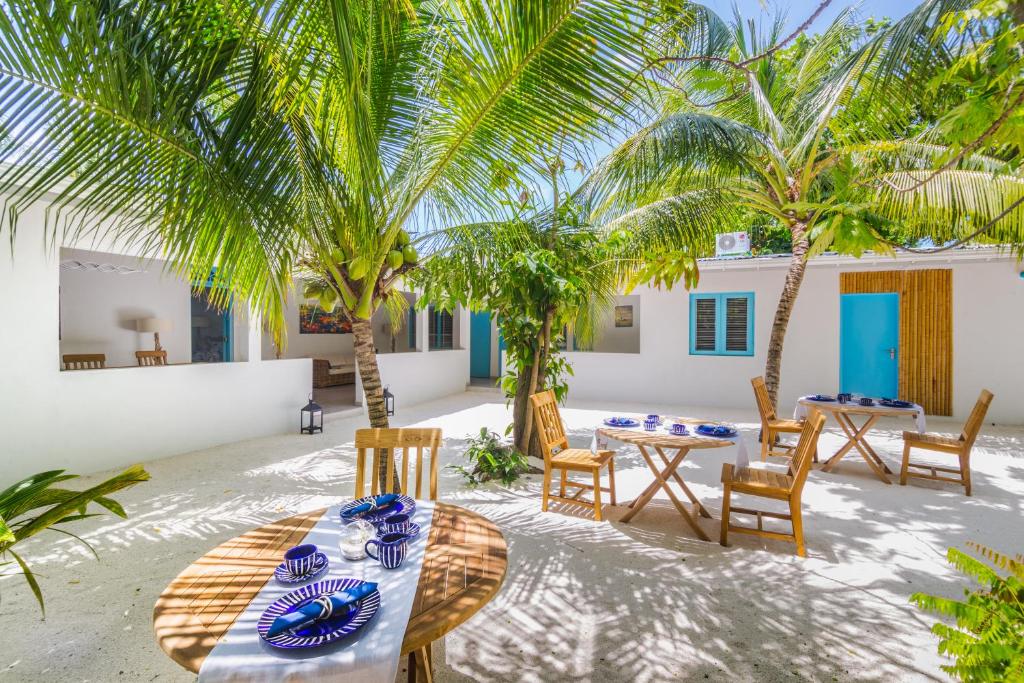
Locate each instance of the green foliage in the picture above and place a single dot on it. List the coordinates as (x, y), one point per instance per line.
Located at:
(491, 458)
(988, 639)
(35, 504)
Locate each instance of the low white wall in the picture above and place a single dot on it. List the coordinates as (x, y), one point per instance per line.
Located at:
(91, 420)
(988, 329)
(417, 377)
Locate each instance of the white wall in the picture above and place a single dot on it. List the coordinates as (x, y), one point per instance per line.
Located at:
(611, 339)
(91, 420)
(988, 326)
(421, 376)
(99, 311)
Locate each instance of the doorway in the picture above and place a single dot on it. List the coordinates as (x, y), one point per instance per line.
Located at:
(869, 329)
(480, 345)
(211, 330)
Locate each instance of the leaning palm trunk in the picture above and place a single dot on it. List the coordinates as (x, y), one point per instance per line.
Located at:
(373, 391)
(794, 277)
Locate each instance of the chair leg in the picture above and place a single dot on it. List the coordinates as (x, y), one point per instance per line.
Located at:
(611, 480)
(547, 488)
(597, 494)
(798, 527)
(906, 464)
(965, 472)
(724, 538)
(766, 438)
(561, 488)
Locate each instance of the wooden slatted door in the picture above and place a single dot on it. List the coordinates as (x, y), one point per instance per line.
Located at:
(926, 330)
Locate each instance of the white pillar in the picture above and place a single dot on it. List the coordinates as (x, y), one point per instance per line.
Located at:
(462, 314)
(423, 330)
(255, 337)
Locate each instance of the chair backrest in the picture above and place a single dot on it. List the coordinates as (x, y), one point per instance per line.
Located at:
(84, 361)
(977, 416)
(389, 441)
(800, 465)
(151, 358)
(550, 430)
(764, 401)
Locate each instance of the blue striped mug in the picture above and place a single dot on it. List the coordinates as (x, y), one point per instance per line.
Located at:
(300, 559)
(391, 550)
(395, 524)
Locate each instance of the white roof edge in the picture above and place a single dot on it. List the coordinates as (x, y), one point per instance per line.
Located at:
(871, 259)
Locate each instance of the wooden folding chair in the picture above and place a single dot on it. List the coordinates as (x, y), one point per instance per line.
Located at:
(959, 446)
(151, 358)
(775, 485)
(558, 456)
(84, 361)
(385, 442)
(771, 425)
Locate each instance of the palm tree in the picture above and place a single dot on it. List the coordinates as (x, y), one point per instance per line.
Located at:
(259, 140)
(825, 137)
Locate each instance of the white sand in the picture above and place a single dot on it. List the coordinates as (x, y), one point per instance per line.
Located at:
(645, 601)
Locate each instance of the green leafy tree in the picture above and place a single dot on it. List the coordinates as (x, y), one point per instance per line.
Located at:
(37, 504)
(825, 138)
(987, 640)
(264, 139)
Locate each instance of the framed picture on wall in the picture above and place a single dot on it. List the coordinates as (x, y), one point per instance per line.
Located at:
(623, 316)
(315, 320)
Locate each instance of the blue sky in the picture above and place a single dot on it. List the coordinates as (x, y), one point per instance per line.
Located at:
(798, 10)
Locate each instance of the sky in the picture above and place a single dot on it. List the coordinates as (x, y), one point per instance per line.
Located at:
(797, 11)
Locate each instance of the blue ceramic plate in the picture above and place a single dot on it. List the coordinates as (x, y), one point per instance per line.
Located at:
(404, 505)
(721, 431)
(822, 398)
(895, 403)
(321, 632)
(621, 422)
(319, 567)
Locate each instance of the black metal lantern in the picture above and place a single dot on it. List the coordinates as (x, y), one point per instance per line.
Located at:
(389, 402)
(312, 420)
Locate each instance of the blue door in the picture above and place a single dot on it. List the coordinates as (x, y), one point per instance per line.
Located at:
(869, 332)
(480, 344)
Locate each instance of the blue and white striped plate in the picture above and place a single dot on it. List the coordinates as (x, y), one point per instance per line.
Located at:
(321, 632)
(404, 505)
(320, 565)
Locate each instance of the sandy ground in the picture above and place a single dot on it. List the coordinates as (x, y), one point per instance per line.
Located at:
(582, 601)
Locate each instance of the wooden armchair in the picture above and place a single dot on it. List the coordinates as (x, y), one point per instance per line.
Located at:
(558, 456)
(84, 361)
(959, 446)
(386, 443)
(775, 485)
(771, 425)
(151, 358)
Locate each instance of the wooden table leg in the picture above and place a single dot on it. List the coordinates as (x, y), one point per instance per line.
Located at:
(856, 440)
(661, 481)
(682, 484)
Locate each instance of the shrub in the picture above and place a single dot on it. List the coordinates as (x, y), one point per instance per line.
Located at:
(491, 458)
(988, 639)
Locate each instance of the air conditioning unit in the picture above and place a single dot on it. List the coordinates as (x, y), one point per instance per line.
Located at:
(732, 244)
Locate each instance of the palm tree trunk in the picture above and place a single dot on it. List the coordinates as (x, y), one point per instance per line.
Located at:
(373, 391)
(794, 277)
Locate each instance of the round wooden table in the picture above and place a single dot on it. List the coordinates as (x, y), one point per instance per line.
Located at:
(463, 568)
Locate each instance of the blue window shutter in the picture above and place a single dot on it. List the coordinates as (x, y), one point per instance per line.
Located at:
(722, 324)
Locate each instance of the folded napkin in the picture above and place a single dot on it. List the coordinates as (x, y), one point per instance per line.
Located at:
(321, 608)
(716, 430)
(378, 502)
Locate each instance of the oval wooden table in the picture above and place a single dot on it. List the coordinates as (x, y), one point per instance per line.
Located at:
(660, 441)
(463, 568)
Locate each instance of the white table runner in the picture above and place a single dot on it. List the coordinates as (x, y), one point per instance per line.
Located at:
(915, 410)
(370, 655)
(599, 442)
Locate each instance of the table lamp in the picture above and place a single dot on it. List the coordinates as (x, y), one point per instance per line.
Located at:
(156, 326)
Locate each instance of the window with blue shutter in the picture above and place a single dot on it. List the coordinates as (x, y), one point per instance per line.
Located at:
(722, 324)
